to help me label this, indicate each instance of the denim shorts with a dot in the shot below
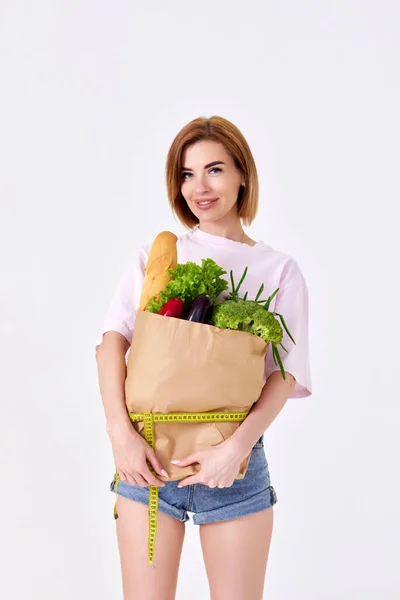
(245, 496)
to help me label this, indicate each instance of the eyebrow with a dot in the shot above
(211, 164)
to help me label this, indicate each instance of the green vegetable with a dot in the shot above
(189, 281)
(248, 315)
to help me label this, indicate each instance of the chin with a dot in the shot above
(214, 218)
(209, 216)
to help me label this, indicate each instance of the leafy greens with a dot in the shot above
(189, 281)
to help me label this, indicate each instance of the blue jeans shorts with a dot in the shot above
(245, 496)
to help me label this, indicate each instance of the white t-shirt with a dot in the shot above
(265, 265)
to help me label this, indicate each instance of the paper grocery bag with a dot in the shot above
(182, 366)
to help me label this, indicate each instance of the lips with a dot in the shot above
(206, 202)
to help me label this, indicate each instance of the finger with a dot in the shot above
(152, 479)
(184, 462)
(122, 476)
(130, 479)
(189, 481)
(155, 463)
(141, 481)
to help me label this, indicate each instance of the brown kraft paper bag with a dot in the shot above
(176, 365)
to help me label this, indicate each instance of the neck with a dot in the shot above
(232, 231)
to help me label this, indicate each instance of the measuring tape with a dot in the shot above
(149, 420)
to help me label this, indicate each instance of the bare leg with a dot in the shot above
(140, 580)
(235, 554)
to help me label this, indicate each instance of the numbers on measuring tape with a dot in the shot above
(148, 418)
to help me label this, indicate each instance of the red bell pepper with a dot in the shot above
(173, 308)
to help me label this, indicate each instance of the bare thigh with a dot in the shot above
(140, 580)
(235, 555)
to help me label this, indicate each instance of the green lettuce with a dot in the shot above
(189, 281)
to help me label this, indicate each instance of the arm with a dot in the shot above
(219, 463)
(130, 450)
(273, 398)
(111, 367)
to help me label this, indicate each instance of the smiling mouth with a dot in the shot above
(206, 202)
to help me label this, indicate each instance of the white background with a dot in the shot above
(92, 95)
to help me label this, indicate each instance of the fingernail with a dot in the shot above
(175, 462)
(164, 472)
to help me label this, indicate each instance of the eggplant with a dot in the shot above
(201, 309)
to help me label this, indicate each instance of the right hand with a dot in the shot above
(130, 452)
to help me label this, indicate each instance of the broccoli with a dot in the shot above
(247, 315)
(241, 314)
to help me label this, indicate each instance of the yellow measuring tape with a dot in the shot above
(149, 420)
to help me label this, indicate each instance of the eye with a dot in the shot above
(216, 169)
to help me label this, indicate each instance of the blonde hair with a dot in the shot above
(220, 130)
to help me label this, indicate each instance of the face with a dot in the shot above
(210, 181)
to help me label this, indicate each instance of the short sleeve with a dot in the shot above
(292, 303)
(121, 313)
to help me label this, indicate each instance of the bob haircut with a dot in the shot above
(216, 129)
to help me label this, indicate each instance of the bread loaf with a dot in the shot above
(162, 256)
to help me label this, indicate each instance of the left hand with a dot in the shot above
(219, 466)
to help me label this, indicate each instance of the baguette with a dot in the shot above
(162, 256)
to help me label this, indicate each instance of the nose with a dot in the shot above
(201, 184)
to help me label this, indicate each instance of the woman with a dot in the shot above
(212, 188)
